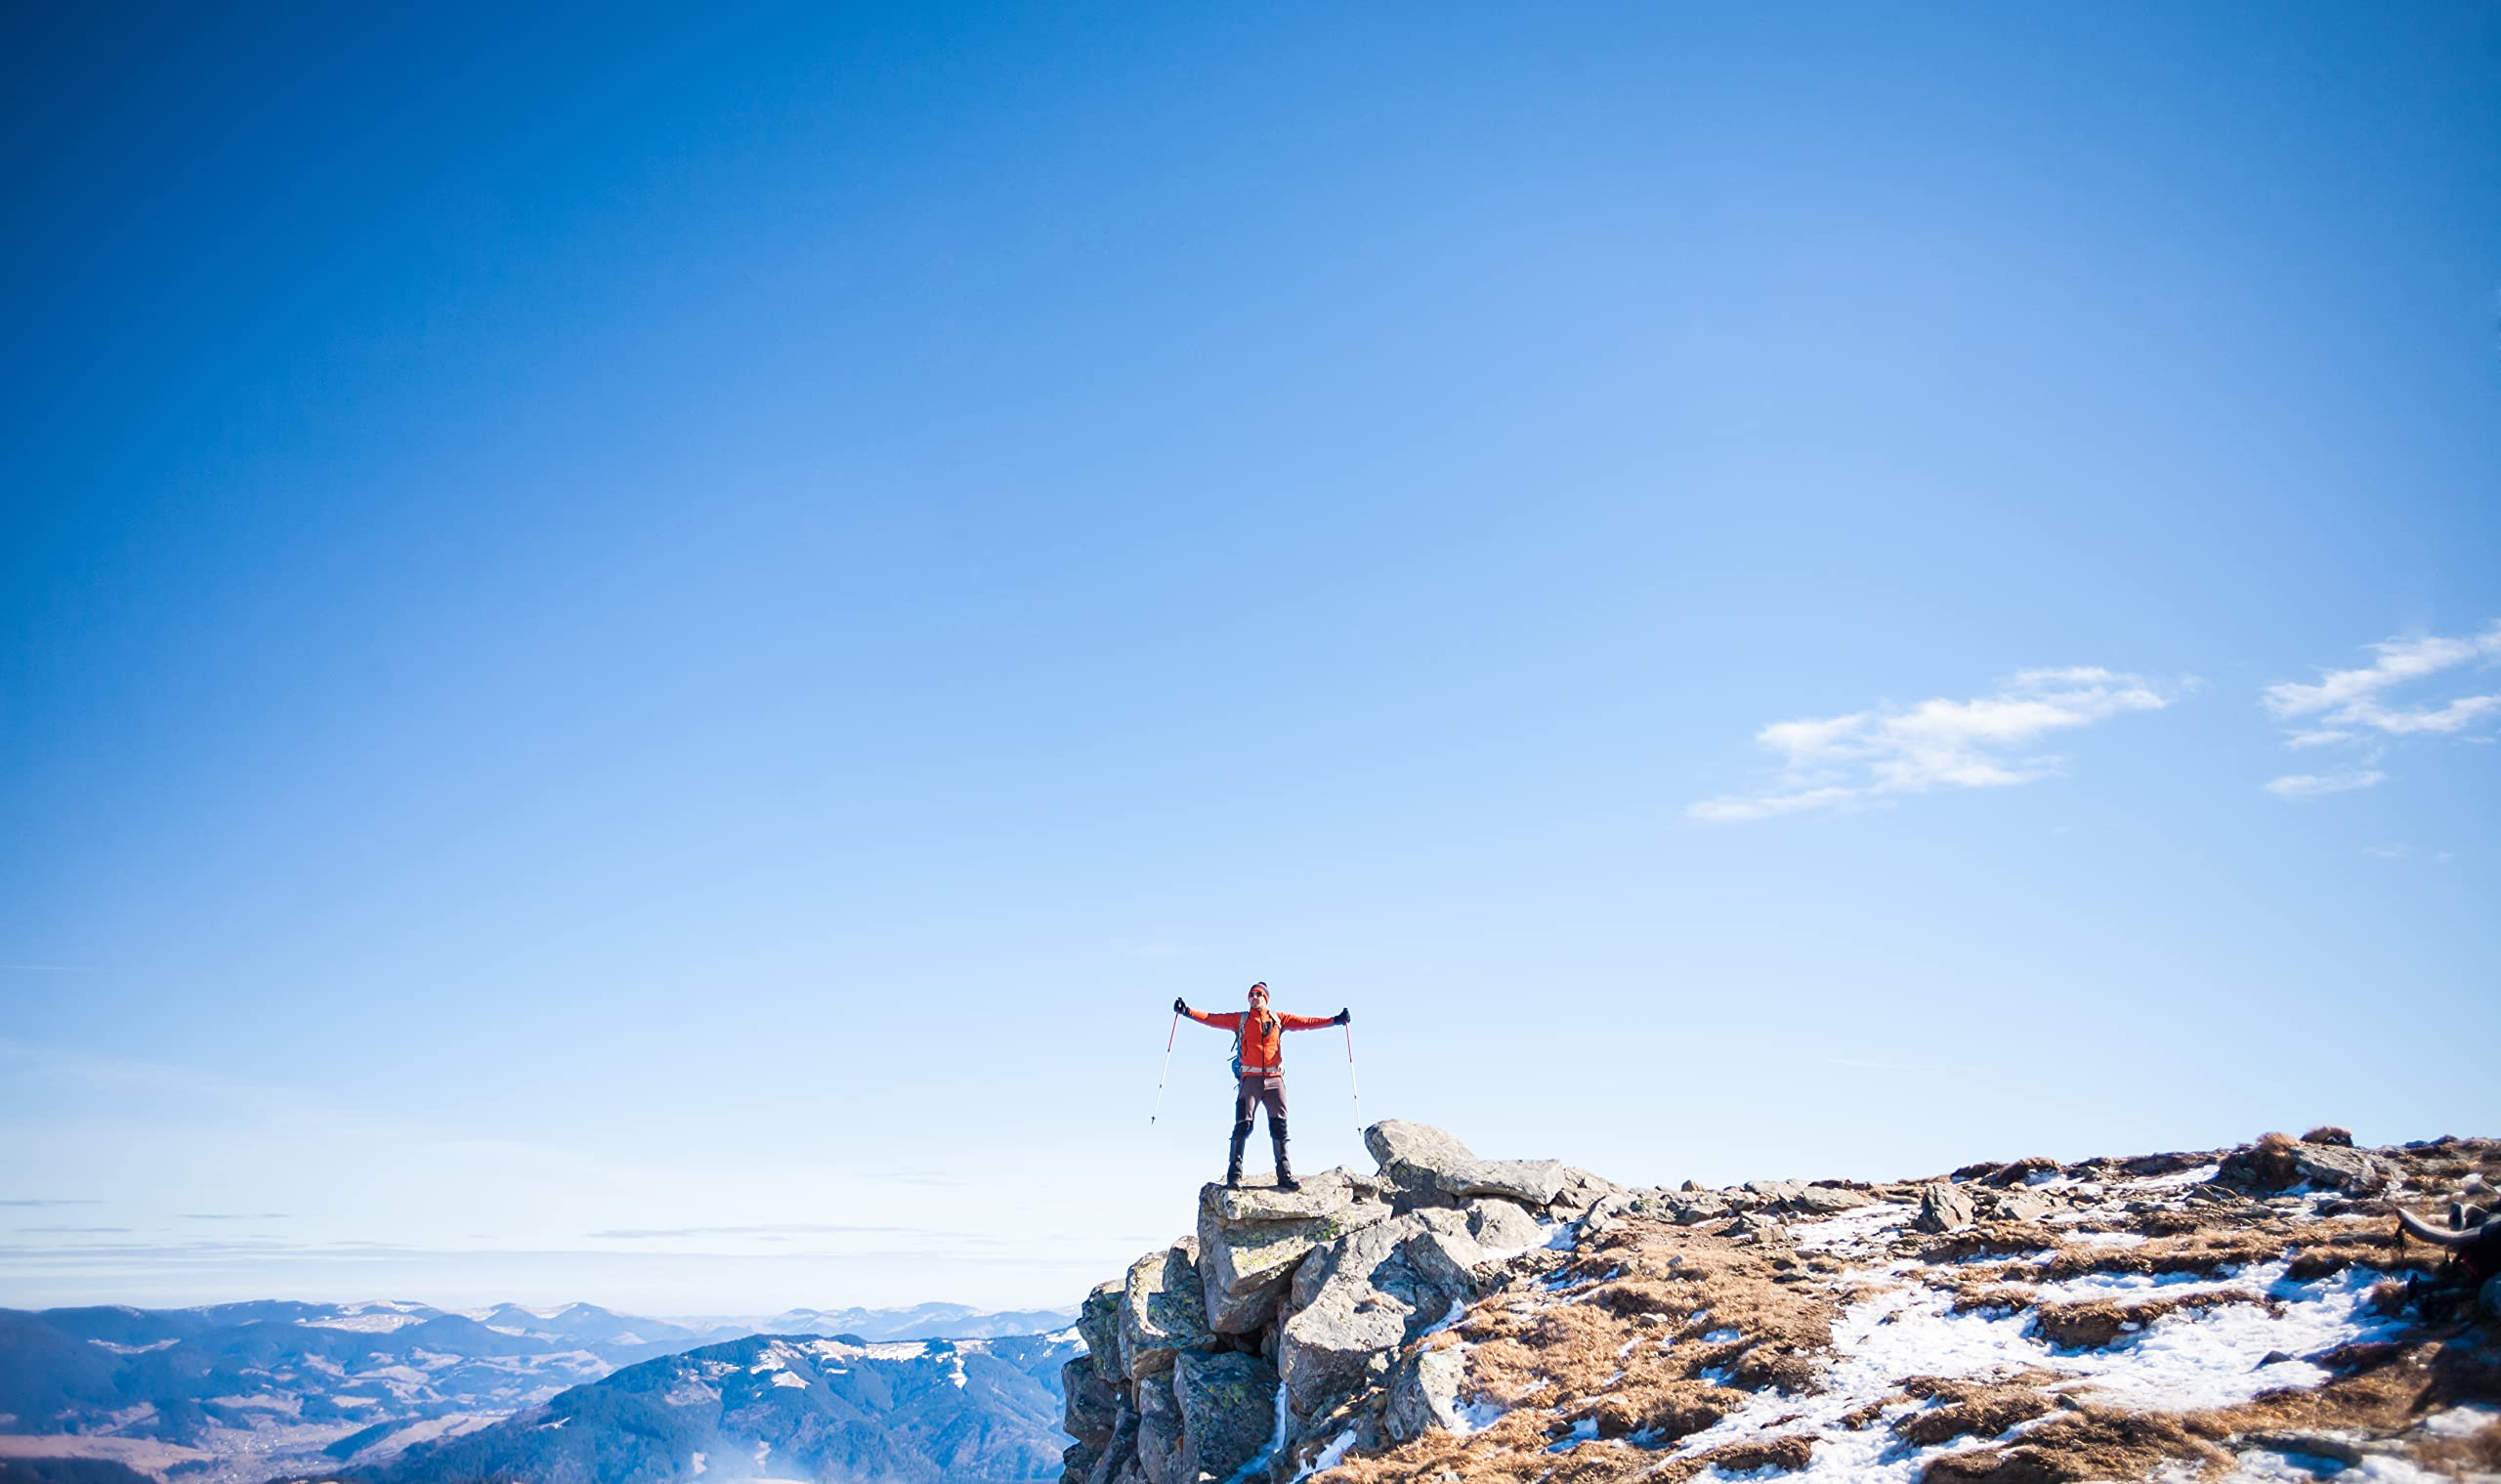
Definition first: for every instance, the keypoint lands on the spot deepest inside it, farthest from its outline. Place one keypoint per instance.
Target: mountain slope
(2244, 1314)
(773, 1407)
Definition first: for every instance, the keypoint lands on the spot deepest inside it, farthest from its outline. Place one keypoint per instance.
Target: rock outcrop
(1426, 1166)
(1251, 1240)
(1163, 1310)
(1942, 1207)
(1238, 1344)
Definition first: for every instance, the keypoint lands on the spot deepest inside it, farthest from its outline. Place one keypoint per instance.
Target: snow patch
(2186, 1360)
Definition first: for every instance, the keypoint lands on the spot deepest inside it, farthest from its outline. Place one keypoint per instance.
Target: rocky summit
(2249, 1314)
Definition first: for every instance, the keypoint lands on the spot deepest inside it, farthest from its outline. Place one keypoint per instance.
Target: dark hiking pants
(1260, 1091)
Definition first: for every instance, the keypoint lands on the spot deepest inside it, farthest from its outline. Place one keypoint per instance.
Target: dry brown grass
(1971, 1407)
(2082, 1445)
(1590, 1349)
(1595, 1351)
(2093, 1325)
(1988, 1238)
(2472, 1457)
(2389, 1391)
(1662, 1412)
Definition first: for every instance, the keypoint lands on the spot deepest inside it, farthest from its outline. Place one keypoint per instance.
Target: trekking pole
(1168, 1067)
(1355, 1082)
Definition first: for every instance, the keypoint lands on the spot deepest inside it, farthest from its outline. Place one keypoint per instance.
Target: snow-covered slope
(776, 1407)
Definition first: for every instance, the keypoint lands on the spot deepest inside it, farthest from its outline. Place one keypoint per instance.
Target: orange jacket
(1260, 1054)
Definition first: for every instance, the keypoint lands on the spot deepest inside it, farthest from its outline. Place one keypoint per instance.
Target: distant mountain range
(927, 1321)
(237, 1393)
(775, 1407)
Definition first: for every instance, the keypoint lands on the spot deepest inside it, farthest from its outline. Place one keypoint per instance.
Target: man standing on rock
(1259, 1062)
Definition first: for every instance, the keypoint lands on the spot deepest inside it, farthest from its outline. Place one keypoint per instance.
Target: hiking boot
(1285, 1170)
(1233, 1166)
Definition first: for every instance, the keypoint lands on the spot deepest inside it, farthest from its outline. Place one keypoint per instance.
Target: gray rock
(1159, 1431)
(1098, 1324)
(1326, 1194)
(1775, 1192)
(1117, 1463)
(1251, 1240)
(1942, 1208)
(1078, 1460)
(1501, 1225)
(2335, 1167)
(1360, 1299)
(1228, 1405)
(1826, 1200)
(1761, 1225)
(1603, 1215)
(1342, 1328)
(1424, 1393)
(1090, 1409)
(1580, 1191)
(1689, 1208)
(2023, 1205)
(1163, 1310)
(1426, 1167)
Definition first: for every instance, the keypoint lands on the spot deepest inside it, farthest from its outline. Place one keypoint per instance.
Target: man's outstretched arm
(1315, 1022)
(1230, 1020)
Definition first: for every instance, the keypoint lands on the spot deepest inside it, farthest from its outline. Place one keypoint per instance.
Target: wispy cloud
(2358, 709)
(37, 1203)
(2311, 785)
(1988, 742)
(234, 1215)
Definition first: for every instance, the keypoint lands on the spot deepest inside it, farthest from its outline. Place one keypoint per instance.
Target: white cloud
(2311, 785)
(2352, 709)
(1873, 756)
(2401, 660)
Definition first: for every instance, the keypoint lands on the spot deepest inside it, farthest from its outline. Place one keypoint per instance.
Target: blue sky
(635, 655)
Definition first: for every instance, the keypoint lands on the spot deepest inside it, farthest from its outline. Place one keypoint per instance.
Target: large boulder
(1159, 1431)
(2023, 1205)
(1357, 1300)
(1228, 1402)
(1163, 1310)
(1423, 1392)
(1098, 1324)
(1251, 1240)
(2278, 1163)
(1500, 1226)
(1090, 1409)
(1943, 1207)
(1117, 1463)
(1428, 1167)
(2338, 1167)
(1580, 1191)
(1826, 1200)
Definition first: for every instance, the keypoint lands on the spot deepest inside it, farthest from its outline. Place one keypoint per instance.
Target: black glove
(1345, 1017)
(1178, 1007)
